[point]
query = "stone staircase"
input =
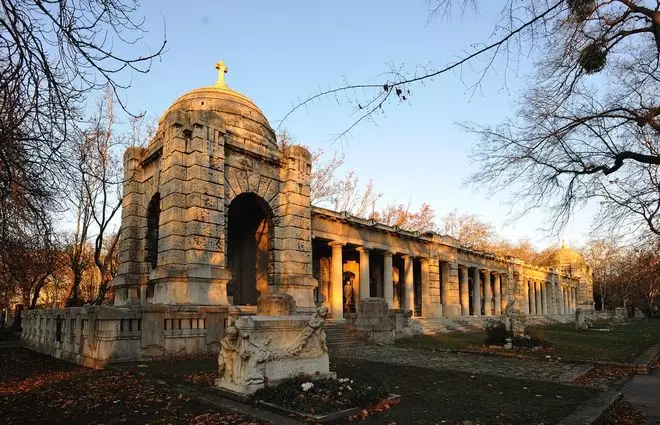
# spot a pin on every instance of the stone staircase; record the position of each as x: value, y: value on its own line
x: 432, y: 326
x: 338, y: 335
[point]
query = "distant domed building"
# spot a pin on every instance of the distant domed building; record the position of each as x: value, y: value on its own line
x: 217, y: 218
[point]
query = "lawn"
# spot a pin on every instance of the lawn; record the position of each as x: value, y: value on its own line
x: 445, y: 396
x: 623, y: 344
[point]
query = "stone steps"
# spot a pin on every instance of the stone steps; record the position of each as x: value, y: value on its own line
x: 431, y: 326
x: 338, y: 336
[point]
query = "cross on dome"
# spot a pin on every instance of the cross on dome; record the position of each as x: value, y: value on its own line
x: 222, y: 70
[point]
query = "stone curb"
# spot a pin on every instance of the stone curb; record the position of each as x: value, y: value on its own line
x: 645, y: 363
x: 593, y: 411
x: 209, y: 397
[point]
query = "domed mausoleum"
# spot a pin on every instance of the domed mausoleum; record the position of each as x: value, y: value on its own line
x: 217, y: 226
x: 226, y: 212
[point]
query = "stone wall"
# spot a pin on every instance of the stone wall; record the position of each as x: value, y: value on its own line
x: 94, y: 336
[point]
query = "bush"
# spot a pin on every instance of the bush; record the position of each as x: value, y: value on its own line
x: 496, y: 332
x: 533, y: 338
x: 320, y: 396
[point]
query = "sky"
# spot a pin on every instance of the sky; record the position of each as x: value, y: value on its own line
x: 280, y: 53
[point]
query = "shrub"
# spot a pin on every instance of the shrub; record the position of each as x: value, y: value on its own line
x: 496, y: 332
x: 533, y: 338
x: 320, y: 396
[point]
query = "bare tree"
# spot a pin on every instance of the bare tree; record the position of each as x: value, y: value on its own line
x: 468, y: 229
x: 587, y: 127
x: 53, y: 54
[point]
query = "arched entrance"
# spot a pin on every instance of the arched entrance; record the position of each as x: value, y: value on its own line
x: 249, y: 230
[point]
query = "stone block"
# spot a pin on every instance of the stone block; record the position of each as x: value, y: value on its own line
x: 204, y: 229
x: 176, y: 228
x: 204, y: 187
x: 174, y: 172
x: 201, y: 159
x: 204, y: 243
x: 172, y: 256
x: 172, y: 186
x: 198, y: 256
x: 205, y: 174
x: 173, y: 200
x: 202, y: 200
x: 175, y: 214
x: 175, y: 145
x: 204, y: 215
x: 172, y: 159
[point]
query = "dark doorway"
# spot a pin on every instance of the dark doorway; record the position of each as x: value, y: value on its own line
x: 249, y: 235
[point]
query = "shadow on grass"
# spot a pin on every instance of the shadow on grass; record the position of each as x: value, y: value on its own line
x: 434, y: 396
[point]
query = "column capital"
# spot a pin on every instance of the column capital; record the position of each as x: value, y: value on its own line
x: 484, y: 269
x: 387, y: 253
x: 336, y: 243
x: 363, y: 249
x: 407, y: 256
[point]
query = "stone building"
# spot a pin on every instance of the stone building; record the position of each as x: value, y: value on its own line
x: 215, y: 215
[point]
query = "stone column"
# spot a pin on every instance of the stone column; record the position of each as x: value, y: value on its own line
x: 427, y: 308
x: 476, y: 284
x: 388, y: 284
x: 532, y: 297
x: 564, y: 305
x: 539, y: 307
x: 336, y: 281
x: 364, y: 272
x: 408, y: 284
x: 498, y: 294
x: 488, y: 294
x: 504, y: 281
x: 444, y: 282
x: 573, y: 300
x: 545, y: 285
x: 465, y: 296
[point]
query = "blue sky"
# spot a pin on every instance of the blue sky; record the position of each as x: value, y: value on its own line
x: 282, y: 52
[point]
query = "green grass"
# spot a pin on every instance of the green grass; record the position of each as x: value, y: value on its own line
x: 430, y: 396
x: 623, y: 344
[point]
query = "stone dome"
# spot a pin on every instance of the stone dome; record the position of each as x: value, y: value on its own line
x: 241, y: 116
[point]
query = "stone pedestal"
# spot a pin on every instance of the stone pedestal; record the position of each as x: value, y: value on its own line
x: 260, y: 350
x: 373, y: 321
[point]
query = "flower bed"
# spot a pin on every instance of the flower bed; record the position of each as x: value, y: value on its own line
x: 319, y: 397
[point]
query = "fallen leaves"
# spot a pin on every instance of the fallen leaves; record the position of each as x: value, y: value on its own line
x: 602, y: 375
x: 36, y: 389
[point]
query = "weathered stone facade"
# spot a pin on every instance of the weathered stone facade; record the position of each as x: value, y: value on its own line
x: 215, y: 215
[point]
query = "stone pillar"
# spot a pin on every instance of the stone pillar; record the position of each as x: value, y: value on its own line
x: 465, y: 296
x: 408, y: 284
x: 364, y: 272
x: 336, y: 281
x: 427, y: 308
x: 504, y: 283
x: 564, y: 305
x: 476, y: 283
x: 573, y: 290
x: 545, y: 286
x: 388, y: 284
x: 498, y: 293
x: 444, y: 279
x: 488, y: 294
x: 539, y: 307
x: 532, y: 297
x: 434, y: 288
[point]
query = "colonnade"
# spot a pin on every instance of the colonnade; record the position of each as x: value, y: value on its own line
x: 482, y: 292
x: 448, y: 288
